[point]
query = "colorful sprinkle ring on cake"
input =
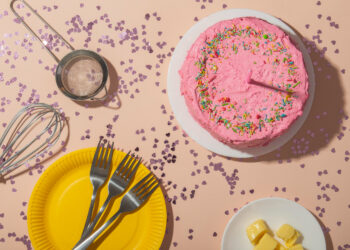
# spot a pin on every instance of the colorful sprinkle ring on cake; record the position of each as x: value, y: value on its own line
x: 244, y: 81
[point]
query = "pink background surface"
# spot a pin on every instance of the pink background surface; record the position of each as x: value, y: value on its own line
x: 313, y: 168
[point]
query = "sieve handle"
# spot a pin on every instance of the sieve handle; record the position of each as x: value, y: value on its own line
x: 33, y: 33
x: 100, y: 98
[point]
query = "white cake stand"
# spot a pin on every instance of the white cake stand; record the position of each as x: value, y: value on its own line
x: 177, y: 101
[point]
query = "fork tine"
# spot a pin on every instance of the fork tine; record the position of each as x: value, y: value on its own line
x: 110, y: 156
x: 144, y: 185
x: 140, y: 182
x: 101, y: 155
x: 126, y: 166
x: 121, y: 164
x: 126, y: 170
x: 124, y: 173
x: 145, y: 197
x: 133, y: 169
x: 104, y: 163
x: 96, y: 153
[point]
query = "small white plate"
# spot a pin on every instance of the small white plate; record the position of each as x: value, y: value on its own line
x: 177, y: 101
x: 275, y: 212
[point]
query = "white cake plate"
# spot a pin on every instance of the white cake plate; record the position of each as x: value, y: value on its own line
x: 177, y: 101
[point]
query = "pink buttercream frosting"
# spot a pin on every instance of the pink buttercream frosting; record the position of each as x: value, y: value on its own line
x: 244, y: 81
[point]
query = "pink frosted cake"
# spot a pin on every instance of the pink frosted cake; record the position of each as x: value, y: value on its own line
x: 244, y: 81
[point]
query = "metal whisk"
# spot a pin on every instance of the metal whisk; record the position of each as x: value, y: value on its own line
x: 30, y: 134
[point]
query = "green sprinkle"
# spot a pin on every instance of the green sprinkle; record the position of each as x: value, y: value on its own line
x: 265, y: 36
x: 296, y: 84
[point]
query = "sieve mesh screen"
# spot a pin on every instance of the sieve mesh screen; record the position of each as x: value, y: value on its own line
x: 82, y: 75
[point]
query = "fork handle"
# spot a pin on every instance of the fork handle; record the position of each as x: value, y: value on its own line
x: 95, y: 220
x: 92, y: 203
x: 93, y: 236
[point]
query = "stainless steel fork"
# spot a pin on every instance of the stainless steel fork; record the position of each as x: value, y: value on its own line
x: 118, y: 183
x: 132, y: 200
x: 99, y: 172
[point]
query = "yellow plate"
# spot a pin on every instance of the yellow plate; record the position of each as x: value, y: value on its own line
x: 59, y: 204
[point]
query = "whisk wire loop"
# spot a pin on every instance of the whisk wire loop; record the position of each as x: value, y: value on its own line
x: 21, y: 125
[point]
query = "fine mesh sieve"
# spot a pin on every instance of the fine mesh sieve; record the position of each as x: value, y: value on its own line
x: 81, y: 74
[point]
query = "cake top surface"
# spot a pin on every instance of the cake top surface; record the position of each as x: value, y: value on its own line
x: 244, y: 79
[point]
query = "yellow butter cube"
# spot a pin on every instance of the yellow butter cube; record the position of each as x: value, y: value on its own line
x: 280, y: 247
x: 296, y: 247
x: 291, y: 241
x: 286, y: 232
x: 266, y: 243
x: 256, y: 230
